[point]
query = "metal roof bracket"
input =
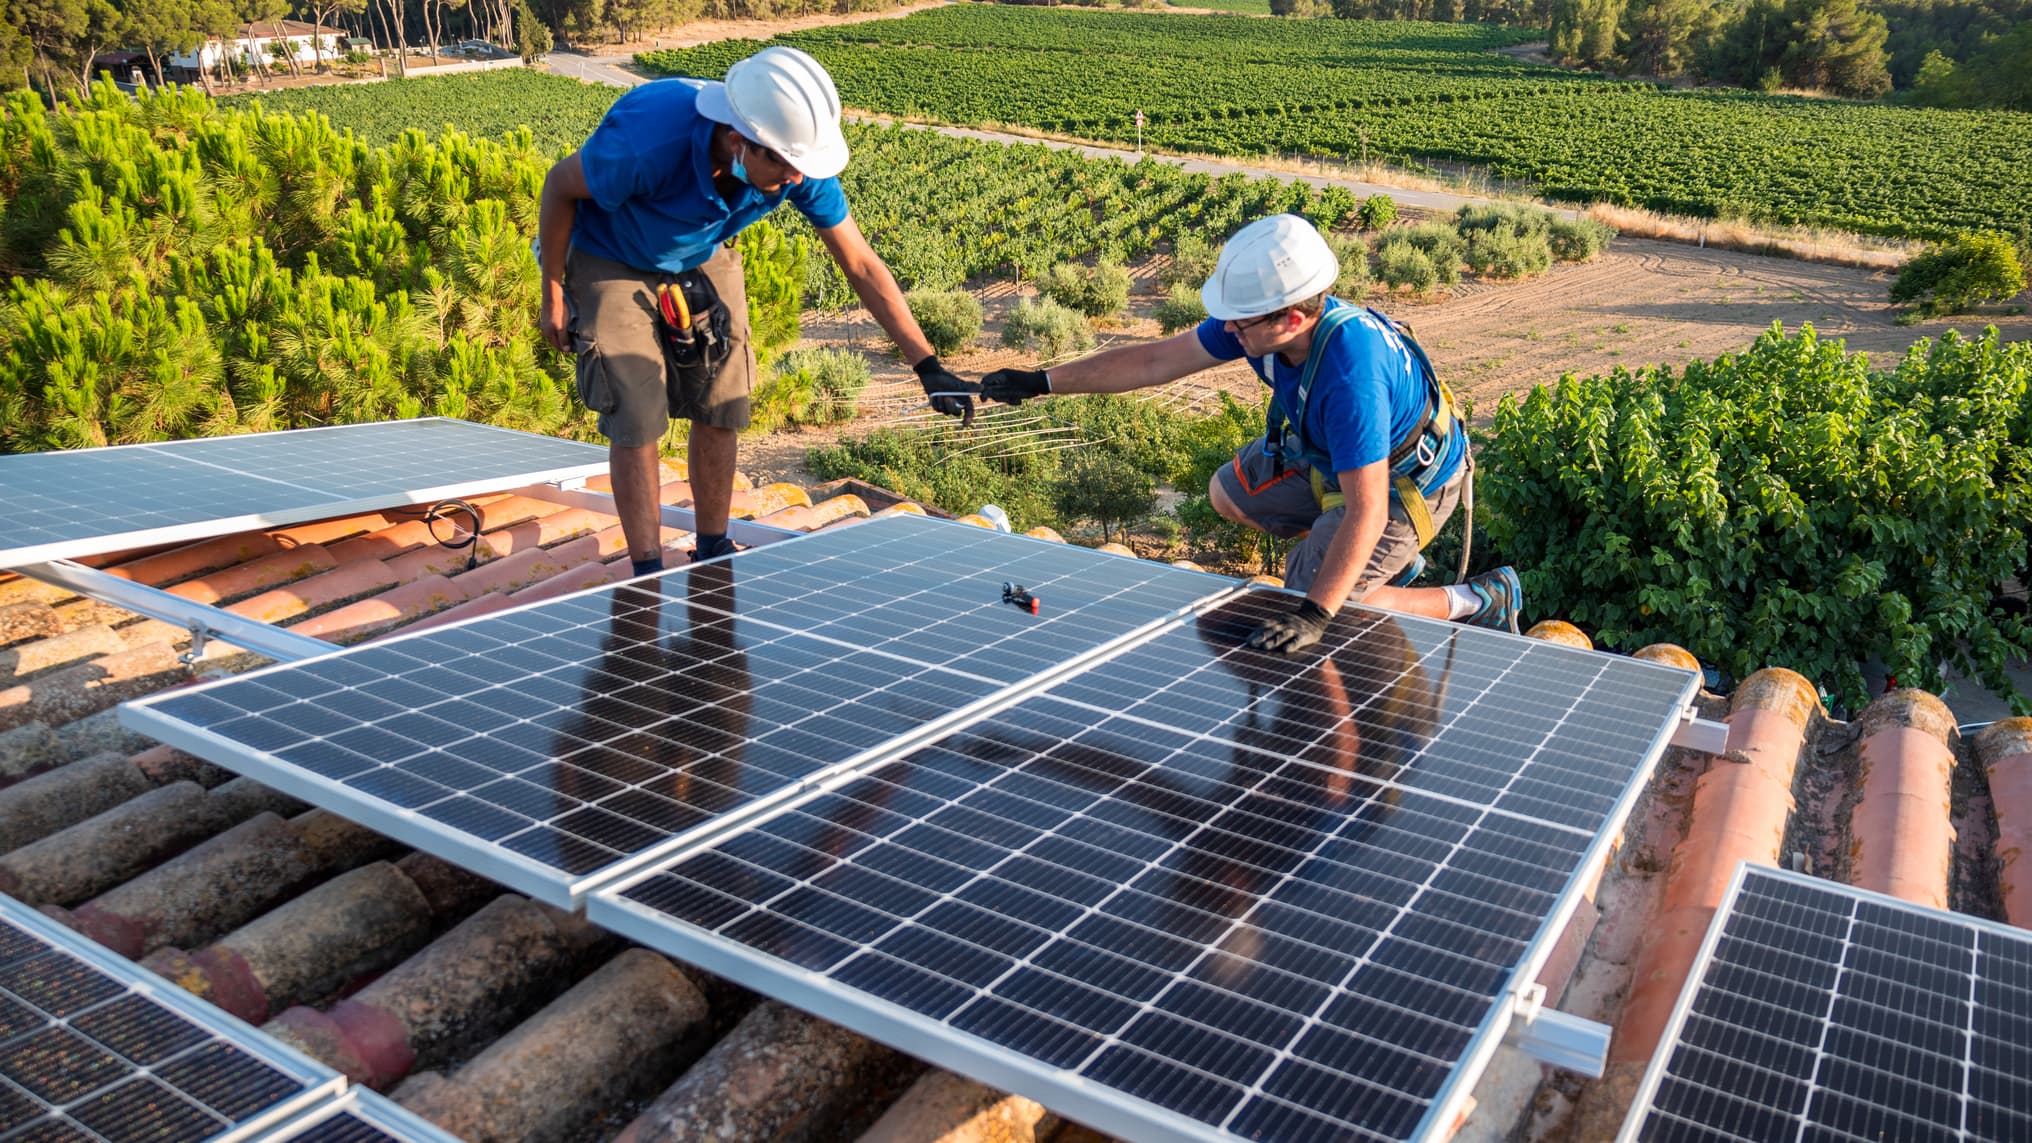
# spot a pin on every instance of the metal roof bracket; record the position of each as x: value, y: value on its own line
x: 1556, y: 1038
x: 1702, y: 734
x: 203, y: 621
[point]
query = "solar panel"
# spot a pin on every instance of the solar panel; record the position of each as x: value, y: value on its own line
x: 57, y: 505
x: 92, y: 1047
x: 360, y: 1116
x: 1194, y: 891
x: 546, y: 745
x: 1817, y: 1011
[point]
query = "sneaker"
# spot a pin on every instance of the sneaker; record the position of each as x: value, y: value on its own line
x: 719, y: 546
x: 1411, y: 572
x: 1502, y: 598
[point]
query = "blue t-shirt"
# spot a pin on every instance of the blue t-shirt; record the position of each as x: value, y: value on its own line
x: 1368, y: 394
x: 650, y: 170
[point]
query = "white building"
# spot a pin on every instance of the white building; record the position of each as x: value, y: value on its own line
x: 255, y: 40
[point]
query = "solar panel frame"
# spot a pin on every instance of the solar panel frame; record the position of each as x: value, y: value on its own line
x: 547, y: 883
x: 1748, y: 874
x: 360, y: 1116
x: 316, y: 1082
x: 162, y: 467
x: 1072, y: 1095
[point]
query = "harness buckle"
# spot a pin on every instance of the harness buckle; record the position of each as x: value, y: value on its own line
x: 1428, y: 449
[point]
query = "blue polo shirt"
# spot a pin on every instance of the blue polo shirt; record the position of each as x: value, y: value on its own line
x: 1369, y: 392
x: 650, y: 170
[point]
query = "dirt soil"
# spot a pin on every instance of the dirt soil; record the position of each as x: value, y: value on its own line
x: 1642, y: 303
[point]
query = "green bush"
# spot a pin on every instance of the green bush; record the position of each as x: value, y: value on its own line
x: 1103, y: 486
x: 1401, y: 265
x: 773, y: 270
x: 1579, y: 239
x: 1376, y: 212
x: 783, y: 400
x: 1443, y: 246
x: 1098, y: 291
x: 1509, y: 251
x: 1333, y: 207
x: 836, y: 379
x: 950, y: 319
x: 1047, y: 329
x: 1353, y: 255
x: 1192, y: 262
x: 1787, y: 506
x: 1180, y: 309
x: 1964, y: 271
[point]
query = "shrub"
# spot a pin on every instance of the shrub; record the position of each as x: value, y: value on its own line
x: 1192, y: 262
x: 1579, y: 239
x: 1443, y: 246
x: 1180, y: 309
x: 1101, y: 485
x: 1508, y: 250
x: 773, y: 270
x: 1376, y: 212
x: 1098, y: 291
x: 950, y: 319
x: 1967, y: 270
x: 836, y: 378
x: 783, y: 400
x: 1786, y: 506
x: 1047, y: 329
x: 1331, y: 208
x: 1400, y: 265
x: 1353, y: 255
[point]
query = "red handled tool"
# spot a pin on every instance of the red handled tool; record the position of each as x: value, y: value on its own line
x: 1019, y: 595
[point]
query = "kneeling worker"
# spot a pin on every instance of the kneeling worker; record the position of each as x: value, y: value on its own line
x: 641, y: 278
x: 1363, y: 455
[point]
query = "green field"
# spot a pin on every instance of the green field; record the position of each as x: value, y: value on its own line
x: 559, y: 113
x: 1423, y: 93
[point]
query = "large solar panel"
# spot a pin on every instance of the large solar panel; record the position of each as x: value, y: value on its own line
x: 545, y: 746
x: 1821, y: 1012
x: 94, y: 1048
x: 57, y: 505
x: 360, y: 1116
x: 1194, y: 891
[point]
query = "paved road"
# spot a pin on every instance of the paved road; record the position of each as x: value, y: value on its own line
x: 613, y: 71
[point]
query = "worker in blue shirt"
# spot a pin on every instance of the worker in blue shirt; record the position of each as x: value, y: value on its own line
x: 1363, y: 458
x: 641, y: 279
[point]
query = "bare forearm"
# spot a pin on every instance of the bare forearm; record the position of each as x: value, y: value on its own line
x: 876, y: 287
x: 556, y: 212
x: 1129, y: 367
x: 1354, y: 543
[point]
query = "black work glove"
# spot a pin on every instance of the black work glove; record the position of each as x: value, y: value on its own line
x: 1292, y: 631
x: 937, y: 379
x: 1015, y: 386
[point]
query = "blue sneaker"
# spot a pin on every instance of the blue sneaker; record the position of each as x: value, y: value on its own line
x: 1502, y: 598
x: 1411, y: 572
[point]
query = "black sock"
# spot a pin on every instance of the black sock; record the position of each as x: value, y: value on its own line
x: 712, y: 544
x: 650, y: 566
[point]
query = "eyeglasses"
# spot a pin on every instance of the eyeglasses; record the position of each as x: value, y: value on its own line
x: 1252, y: 323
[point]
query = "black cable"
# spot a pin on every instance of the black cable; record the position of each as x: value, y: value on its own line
x: 443, y: 510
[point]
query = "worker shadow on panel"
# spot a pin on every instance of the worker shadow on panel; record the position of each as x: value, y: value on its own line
x: 655, y: 743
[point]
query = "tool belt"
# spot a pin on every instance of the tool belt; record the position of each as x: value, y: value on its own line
x: 696, y: 327
x: 1414, y: 461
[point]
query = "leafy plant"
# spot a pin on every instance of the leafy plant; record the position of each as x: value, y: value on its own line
x: 1048, y: 329
x: 1353, y: 255
x: 1965, y: 271
x: 836, y: 378
x: 1401, y: 265
x: 1377, y: 211
x: 1098, y: 291
x: 1180, y: 309
x: 1103, y: 486
x: 1192, y: 262
x: 1579, y: 239
x: 1785, y: 506
x: 950, y: 319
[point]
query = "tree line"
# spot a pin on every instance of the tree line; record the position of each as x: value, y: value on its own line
x: 1944, y: 53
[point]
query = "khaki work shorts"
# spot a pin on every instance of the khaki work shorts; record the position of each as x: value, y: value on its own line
x: 623, y: 374
x: 1281, y: 503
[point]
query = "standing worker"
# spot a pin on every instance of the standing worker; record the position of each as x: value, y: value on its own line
x: 1363, y: 455
x: 641, y: 278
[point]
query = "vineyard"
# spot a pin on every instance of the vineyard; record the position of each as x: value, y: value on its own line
x: 558, y: 113
x: 1423, y: 94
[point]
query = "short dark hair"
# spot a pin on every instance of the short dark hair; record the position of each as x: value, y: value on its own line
x: 1312, y: 306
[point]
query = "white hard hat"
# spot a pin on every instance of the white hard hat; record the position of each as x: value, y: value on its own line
x: 1269, y: 264
x: 782, y: 99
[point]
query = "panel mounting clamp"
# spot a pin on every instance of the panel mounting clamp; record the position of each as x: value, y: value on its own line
x: 1556, y: 1038
x: 1702, y: 734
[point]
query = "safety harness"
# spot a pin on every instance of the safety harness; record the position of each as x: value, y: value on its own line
x: 1414, y: 461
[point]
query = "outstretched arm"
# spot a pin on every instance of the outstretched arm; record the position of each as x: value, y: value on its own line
x: 1116, y: 370
x: 876, y: 287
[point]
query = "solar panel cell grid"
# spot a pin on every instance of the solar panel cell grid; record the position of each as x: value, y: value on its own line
x: 1269, y: 898
x: 1827, y: 1013
x: 562, y: 739
x: 66, y: 503
x: 81, y: 1051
